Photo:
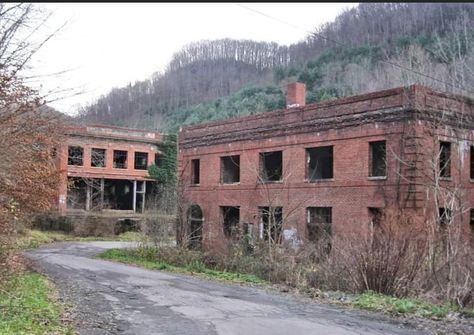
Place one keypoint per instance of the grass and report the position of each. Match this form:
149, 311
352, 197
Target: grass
392, 305
35, 238
135, 257
28, 306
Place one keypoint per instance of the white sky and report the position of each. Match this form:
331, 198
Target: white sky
110, 45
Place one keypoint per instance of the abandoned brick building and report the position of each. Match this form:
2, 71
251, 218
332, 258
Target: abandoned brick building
104, 168
329, 167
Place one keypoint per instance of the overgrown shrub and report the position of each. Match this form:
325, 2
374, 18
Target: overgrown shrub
388, 260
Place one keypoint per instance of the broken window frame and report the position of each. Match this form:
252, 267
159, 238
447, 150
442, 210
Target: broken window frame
75, 159
232, 161
277, 173
378, 165
231, 228
144, 158
311, 173
276, 229
124, 164
318, 225
445, 159
195, 171
95, 156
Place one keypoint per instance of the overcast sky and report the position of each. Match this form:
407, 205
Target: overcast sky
109, 45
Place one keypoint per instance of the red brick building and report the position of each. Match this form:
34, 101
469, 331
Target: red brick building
104, 168
329, 167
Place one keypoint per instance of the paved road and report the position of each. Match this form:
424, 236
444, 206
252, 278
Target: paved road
112, 298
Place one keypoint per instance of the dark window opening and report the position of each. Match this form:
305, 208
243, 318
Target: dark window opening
378, 159
195, 167
230, 169
272, 222
445, 218
472, 162
141, 160
375, 216
231, 219
97, 157
445, 159
84, 193
471, 220
118, 194
194, 233
271, 166
120, 159
320, 163
319, 223
75, 155
76, 193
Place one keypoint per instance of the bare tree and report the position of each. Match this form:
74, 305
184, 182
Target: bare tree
29, 132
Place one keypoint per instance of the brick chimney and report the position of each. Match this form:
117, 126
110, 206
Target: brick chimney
296, 95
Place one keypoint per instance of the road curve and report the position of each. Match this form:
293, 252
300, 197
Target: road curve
112, 298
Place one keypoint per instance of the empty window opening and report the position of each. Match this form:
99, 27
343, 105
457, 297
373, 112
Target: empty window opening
120, 159
141, 160
118, 194
319, 223
445, 218
75, 155
230, 169
195, 169
84, 193
231, 219
320, 163
445, 159
194, 232
378, 159
471, 219
271, 223
271, 166
76, 193
375, 215
472, 163
97, 157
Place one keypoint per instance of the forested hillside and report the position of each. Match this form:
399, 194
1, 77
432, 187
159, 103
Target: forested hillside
370, 47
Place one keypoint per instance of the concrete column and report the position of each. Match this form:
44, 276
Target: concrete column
134, 196
143, 195
88, 197
102, 189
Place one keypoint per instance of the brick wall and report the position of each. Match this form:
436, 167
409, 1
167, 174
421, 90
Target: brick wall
110, 139
401, 117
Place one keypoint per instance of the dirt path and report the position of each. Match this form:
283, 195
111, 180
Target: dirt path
112, 298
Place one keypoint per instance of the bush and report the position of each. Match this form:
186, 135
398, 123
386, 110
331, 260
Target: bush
388, 261
52, 222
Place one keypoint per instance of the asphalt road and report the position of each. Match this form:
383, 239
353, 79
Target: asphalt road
112, 298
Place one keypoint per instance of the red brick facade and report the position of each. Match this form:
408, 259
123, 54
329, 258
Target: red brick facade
411, 121
110, 139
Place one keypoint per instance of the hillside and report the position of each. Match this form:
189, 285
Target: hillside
367, 48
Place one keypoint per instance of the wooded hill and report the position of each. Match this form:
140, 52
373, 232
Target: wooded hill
370, 47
